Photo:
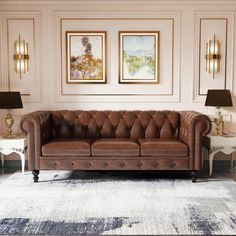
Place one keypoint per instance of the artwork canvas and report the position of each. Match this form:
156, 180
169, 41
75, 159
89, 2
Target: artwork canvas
86, 57
139, 57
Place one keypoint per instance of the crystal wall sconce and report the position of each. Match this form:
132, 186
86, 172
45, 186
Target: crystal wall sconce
213, 56
21, 57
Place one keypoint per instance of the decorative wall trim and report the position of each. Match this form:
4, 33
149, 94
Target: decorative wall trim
226, 74
200, 49
121, 94
8, 49
32, 18
115, 2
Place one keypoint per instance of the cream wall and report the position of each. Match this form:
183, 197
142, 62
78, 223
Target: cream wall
43, 23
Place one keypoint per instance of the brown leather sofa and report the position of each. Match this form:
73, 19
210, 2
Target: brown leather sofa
115, 140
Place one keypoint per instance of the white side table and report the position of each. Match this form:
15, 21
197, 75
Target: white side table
215, 144
17, 145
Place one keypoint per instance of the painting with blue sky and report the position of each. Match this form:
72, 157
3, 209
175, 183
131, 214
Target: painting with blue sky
139, 57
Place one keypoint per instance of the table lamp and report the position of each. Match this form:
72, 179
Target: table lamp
218, 98
10, 100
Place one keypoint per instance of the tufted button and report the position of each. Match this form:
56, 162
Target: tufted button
72, 163
122, 164
173, 164
140, 164
105, 164
156, 164
89, 164
55, 163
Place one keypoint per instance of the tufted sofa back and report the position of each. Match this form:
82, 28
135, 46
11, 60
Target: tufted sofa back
115, 124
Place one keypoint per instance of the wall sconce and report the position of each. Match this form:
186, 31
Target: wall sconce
213, 56
21, 56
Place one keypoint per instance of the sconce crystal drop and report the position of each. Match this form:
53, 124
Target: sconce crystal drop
213, 56
21, 56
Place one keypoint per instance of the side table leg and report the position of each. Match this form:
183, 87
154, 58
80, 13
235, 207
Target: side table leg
211, 156
2, 158
22, 156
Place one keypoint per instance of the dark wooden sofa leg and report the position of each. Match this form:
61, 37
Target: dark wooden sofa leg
35, 175
194, 176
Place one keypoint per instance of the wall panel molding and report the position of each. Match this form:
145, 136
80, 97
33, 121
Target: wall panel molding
151, 93
208, 23
28, 25
117, 2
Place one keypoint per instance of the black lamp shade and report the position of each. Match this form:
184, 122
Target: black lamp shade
10, 100
218, 98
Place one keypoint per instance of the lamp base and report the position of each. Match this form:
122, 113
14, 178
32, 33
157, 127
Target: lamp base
218, 119
9, 121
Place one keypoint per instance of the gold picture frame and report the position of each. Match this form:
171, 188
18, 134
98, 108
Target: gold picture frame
86, 57
139, 57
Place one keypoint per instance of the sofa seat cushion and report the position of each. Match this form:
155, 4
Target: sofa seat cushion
67, 147
116, 147
160, 147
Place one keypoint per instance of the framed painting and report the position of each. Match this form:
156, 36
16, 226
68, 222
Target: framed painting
85, 57
139, 54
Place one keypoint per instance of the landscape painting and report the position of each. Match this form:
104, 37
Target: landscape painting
86, 57
139, 57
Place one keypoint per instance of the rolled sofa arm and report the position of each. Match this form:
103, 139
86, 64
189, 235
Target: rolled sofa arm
194, 125
37, 126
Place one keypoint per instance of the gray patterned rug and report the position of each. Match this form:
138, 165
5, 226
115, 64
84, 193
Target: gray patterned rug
93, 203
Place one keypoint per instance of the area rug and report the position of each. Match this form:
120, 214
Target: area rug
93, 203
